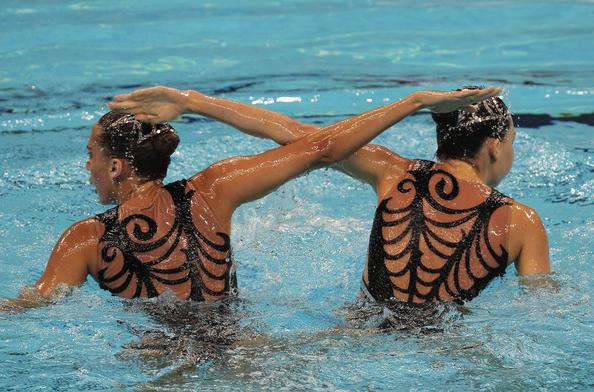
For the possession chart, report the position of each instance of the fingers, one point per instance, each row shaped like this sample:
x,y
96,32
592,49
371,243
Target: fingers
x,y
139,95
475,96
487,92
146,117
122,97
490,92
135,109
123,106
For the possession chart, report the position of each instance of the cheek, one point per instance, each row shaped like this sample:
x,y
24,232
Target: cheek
x,y
92,169
96,171
509,159
511,154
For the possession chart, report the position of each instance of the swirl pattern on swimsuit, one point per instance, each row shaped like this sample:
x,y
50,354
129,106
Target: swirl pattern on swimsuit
x,y
138,263
435,238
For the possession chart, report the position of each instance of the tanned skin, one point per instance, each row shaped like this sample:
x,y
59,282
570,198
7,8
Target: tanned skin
x,y
230,183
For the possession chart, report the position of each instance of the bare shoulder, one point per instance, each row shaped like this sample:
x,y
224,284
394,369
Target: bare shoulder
x,y
524,217
215,174
84,230
73,257
397,167
81,238
529,240
207,181
207,185
387,157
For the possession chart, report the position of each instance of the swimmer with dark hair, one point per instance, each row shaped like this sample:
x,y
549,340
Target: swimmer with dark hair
x,y
441,232
176,237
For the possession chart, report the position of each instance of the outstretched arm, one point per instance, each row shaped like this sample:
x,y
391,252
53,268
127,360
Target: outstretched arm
x,y
238,180
68,265
159,104
370,163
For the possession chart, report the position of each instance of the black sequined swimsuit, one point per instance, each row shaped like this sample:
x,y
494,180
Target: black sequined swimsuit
x,y
136,264
428,245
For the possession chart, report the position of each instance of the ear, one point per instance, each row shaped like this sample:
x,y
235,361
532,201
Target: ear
x,y
493,145
116,168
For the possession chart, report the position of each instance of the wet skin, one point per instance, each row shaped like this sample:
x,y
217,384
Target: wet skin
x,y
225,185
518,226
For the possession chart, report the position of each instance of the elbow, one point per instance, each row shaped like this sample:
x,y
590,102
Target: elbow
x,y
326,153
325,148
329,158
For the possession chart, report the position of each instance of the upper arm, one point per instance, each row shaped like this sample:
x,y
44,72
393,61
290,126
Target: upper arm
x,y
372,164
531,237
375,165
227,184
71,257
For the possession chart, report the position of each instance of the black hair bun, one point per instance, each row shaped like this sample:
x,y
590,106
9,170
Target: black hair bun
x,y
166,143
161,139
446,120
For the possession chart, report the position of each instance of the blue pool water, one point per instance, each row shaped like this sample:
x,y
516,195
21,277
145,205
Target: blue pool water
x,y
300,250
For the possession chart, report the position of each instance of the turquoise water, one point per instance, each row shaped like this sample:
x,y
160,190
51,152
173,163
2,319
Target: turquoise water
x,y
301,250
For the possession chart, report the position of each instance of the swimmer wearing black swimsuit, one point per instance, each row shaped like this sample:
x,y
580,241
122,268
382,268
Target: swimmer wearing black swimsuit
x,y
176,237
135,262
442,232
433,238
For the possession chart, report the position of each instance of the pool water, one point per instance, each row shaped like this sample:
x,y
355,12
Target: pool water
x,y
300,251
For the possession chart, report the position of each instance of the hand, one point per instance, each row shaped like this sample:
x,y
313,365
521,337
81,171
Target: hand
x,y
448,101
154,105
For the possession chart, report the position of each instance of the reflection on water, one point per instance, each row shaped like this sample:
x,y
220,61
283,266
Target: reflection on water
x,y
399,316
187,334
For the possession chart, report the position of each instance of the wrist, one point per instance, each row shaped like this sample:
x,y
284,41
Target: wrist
x,y
417,100
193,101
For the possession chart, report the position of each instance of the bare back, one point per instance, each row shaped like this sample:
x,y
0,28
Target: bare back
x,y
437,238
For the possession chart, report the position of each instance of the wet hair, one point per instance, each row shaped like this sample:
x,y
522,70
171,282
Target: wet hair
x,y
461,134
148,147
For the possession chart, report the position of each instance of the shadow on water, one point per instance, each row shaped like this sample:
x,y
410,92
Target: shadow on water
x,y
398,316
194,339
188,335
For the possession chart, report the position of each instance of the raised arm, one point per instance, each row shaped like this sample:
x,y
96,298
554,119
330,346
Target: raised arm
x,y
161,104
235,181
372,164
158,104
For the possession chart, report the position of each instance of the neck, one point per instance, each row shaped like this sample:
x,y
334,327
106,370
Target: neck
x,y
465,170
134,187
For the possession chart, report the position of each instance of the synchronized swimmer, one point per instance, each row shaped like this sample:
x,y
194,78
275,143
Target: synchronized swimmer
x,y
441,231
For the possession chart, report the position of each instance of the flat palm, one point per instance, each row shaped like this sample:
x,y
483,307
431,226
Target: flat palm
x,y
155,104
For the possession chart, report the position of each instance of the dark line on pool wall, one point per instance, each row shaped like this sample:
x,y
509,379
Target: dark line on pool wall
x,y
355,80
234,88
528,120
36,130
523,120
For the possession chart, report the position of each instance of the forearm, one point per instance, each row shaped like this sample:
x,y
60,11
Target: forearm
x,y
343,138
250,119
29,297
